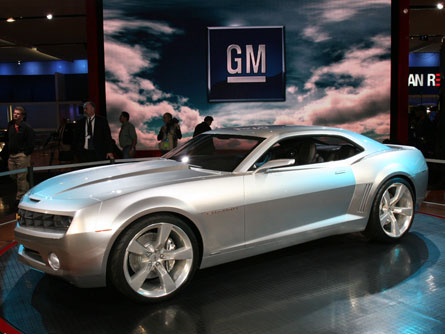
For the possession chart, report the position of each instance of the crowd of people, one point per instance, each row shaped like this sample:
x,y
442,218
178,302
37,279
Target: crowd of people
x,y
91,139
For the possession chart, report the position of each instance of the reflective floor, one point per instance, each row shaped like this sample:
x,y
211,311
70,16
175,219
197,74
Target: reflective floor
x,y
339,284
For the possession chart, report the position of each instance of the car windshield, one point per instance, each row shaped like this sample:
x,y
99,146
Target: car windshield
x,y
215,151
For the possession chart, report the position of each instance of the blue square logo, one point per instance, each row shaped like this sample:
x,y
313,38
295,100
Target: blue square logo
x,y
246,64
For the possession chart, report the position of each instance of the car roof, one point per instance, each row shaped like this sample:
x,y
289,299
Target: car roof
x,y
264,131
268,131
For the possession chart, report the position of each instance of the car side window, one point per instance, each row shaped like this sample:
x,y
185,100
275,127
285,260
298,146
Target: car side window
x,y
309,150
302,149
334,148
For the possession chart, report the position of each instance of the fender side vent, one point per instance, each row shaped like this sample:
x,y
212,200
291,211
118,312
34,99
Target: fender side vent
x,y
365,197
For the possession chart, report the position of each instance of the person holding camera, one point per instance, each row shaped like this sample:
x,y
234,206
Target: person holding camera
x,y
169,133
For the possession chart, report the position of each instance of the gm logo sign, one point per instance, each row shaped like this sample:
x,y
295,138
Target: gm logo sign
x,y
246,64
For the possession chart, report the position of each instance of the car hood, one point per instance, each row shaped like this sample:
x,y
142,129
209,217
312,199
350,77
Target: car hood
x,y
101,183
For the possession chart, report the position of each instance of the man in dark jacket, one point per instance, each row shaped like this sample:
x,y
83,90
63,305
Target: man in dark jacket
x,y
93,136
20,144
204,126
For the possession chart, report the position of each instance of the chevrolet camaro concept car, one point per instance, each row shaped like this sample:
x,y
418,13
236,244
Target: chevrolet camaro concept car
x,y
227,194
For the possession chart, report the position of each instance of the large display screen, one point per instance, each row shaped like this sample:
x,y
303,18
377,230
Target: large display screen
x,y
337,63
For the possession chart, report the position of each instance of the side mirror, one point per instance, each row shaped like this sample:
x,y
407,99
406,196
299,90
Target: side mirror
x,y
274,164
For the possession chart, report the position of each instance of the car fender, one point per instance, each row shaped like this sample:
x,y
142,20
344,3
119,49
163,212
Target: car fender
x,y
142,208
376,170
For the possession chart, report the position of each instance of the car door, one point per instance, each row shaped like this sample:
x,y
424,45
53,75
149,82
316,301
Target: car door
x,y
285,201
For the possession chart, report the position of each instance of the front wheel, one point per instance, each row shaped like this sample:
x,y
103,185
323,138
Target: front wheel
x,y
392,211
154,259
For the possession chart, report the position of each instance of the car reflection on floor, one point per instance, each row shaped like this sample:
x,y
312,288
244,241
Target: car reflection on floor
x,y
322,286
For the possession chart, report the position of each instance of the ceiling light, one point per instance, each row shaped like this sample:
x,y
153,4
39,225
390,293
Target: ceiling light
x,y
49,16
10,19
439,5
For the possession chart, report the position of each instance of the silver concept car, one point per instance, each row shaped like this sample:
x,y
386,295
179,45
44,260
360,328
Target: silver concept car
x,y
224,195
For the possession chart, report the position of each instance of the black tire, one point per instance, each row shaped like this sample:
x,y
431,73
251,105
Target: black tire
x,y
392,212
154,259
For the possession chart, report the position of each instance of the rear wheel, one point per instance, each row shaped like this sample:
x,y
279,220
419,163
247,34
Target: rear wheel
x,y
392,211
154,259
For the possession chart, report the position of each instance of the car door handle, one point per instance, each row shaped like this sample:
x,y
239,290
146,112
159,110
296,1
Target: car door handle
x,y
340,171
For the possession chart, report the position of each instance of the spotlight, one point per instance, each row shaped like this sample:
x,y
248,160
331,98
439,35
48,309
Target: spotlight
x,y
19,62
439,5
49,16
10,19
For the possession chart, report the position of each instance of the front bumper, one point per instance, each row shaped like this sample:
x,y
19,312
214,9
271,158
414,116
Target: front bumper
x,y
81,255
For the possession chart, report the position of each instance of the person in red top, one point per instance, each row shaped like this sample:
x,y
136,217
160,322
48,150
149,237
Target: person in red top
x,y
20,144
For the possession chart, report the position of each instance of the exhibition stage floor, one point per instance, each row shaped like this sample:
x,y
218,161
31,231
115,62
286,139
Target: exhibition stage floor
x,y
339,284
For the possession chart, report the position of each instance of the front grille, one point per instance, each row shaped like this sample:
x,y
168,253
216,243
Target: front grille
x,y
37,219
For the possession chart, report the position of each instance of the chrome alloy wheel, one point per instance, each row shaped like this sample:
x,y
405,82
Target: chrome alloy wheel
x,y
396,210
158,260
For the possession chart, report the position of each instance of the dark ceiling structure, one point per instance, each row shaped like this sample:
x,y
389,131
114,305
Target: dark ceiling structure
x,y
426,26
32,37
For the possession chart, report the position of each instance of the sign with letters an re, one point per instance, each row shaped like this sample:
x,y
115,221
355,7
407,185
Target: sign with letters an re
x,y
246,64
